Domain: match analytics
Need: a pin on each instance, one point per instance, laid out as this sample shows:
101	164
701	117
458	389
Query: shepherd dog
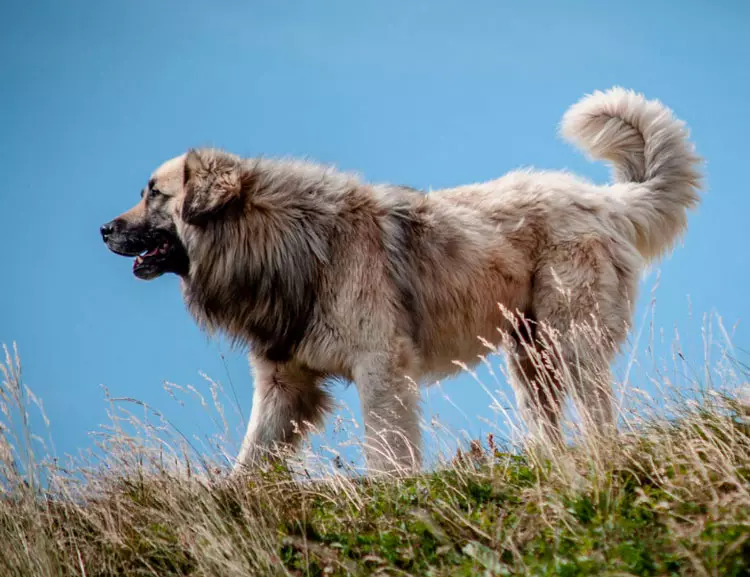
321	275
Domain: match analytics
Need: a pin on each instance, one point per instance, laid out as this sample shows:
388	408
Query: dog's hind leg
390	408
538	395
582	298
288	399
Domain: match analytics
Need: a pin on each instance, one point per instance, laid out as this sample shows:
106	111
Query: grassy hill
667	497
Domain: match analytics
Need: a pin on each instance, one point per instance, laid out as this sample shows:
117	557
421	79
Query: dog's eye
153	193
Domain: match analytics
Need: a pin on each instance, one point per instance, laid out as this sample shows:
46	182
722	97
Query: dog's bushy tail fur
650	151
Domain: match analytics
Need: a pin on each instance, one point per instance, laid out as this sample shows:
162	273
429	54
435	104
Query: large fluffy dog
322	275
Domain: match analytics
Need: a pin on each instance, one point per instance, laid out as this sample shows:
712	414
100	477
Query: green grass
668	497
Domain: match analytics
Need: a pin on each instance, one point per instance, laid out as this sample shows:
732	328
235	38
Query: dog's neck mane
254	270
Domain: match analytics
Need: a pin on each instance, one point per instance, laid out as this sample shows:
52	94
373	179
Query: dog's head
187	191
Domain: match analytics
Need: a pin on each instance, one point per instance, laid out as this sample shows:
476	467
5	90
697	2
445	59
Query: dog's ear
212	180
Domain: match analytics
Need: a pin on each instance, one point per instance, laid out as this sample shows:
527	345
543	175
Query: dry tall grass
669	495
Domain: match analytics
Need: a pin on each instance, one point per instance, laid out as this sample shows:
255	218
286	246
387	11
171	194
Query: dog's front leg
390	408
287	400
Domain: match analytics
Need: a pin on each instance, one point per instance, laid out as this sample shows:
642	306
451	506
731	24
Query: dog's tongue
139	258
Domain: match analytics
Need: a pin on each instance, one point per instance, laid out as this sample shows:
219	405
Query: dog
322	275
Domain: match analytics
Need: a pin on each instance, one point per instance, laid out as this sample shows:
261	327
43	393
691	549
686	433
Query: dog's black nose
106	230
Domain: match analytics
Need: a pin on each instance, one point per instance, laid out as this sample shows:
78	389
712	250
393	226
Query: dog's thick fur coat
323	275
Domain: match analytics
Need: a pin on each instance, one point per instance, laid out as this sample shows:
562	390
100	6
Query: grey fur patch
401	232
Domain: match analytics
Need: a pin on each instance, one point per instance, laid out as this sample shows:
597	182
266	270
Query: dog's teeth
138	259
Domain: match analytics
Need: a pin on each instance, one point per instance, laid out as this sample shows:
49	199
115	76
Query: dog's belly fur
489	277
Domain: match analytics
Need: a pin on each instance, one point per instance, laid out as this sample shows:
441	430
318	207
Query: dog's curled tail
650	151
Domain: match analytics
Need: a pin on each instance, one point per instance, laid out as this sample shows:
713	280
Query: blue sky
96	94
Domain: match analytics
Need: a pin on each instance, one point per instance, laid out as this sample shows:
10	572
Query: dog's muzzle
156	251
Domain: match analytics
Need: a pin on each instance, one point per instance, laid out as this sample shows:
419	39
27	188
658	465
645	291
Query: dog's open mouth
167	256
156	251
148	258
